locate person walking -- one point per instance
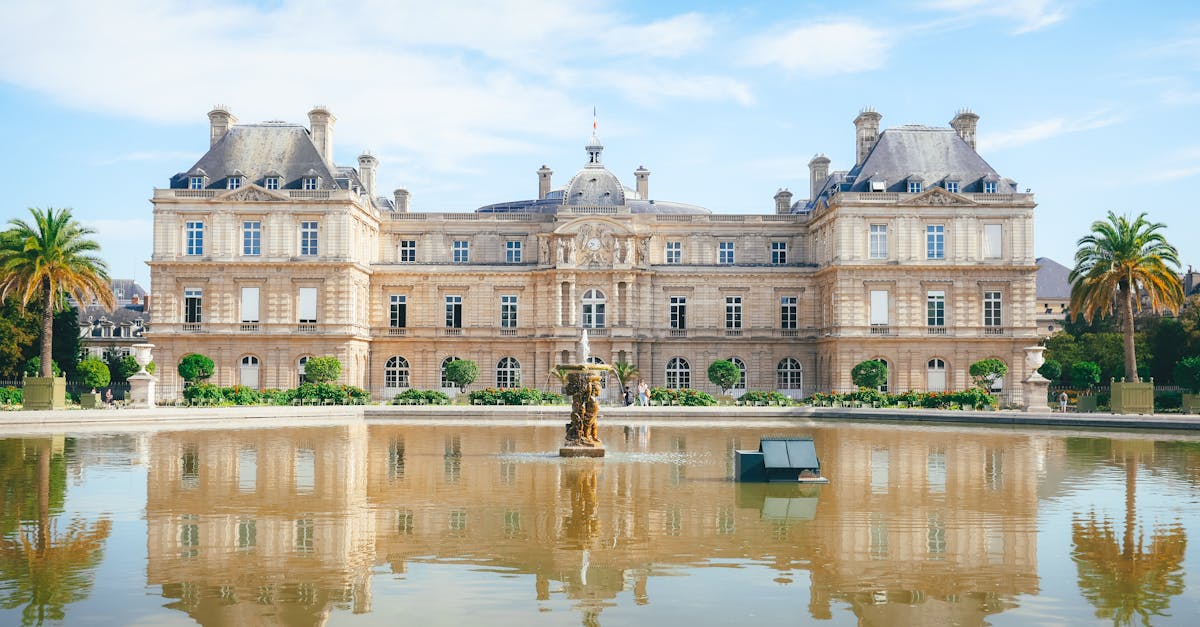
(108, 397)
(628, 396)
(643, 391)
(1062, 402)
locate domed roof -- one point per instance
(594, 186)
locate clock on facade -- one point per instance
(593, 244)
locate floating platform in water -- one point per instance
(791, 459)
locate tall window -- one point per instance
(252, 238)
(398, 311)
(193, 305)
(674, 253)
(935, 241)
(991, 309)
(733, 312)
(306, 306)
(879, 307)
(512, 251)
(249, 304)
(508, 373)
(195, 237)
(196, 182)
(447, 383)
(679, 374)
(991, 241)
(408, 251)
(789, 374)
(395, 372)
(508, 312)
(878, 241)
(779, 253)
(593, 309)
(462, 251)
(454, 312)
(308, 239)
(678, 312)
(787, 312)
(725, 253)
(935, 308)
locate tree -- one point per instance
(870, 374)
(1085, 374)
(624, 372)
(1116, 266)
(724, 374)
(127, 366)
(18, 332)
(1050, 369)
(322, 369)
(195, 367)
(1168, 342)
(1187, 374)
(48, 260)
(985, 372)
(34, 366)
(94, 373)
(462, 372)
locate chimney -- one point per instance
(320, 122)
(818, 171)
(783, 201)
(366, 172)
(866, 127)
(643, 182)
(220, 119)
(544, 175)
(401, 200)
(965, 122)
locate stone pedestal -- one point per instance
(44, 393)
(1036, 389)
(581, 451)
(141, 390)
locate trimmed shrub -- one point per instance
(683, 396)
(93, 372)
(869, 374)
(766, 398)
(423, 397)
(462, 372)
(242, 395)
(195, 367)
(505, 396)
(333, 393)
(986, 371)
(322, 369)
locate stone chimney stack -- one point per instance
(220, 119)
(320, 122)
(544, 175)
(783, 201)
(965, 122)
(643, 182)
(401, 196)
(367, 163)
(818, 171)
(866, 127)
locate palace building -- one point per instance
(919, 254)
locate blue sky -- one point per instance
(1090, 104)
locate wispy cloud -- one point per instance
(1045, 129)
(1029, 15)
(1181, 164)
(836, 47)
(146, 155)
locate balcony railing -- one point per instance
(306, 328)
(397, 331)
(452, 331)
(935, 330)
(193, 327)
(881, 329)
(598, 332)
(733, 332)
(508, 332)
(249, 327)
(788, 332)
(677, 332)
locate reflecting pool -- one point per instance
(474, 524)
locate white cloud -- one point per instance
(1181, 164)
(839, 47)
(1046, 129)
(147, 155)
(651, 89)
(1030, 15)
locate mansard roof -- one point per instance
(932, 154)
(257, 150)
(1052, 279)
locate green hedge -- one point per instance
(308, 393)
(754, 397)
(682, 396)
(11, 396)
(421, 397)
(973, 398)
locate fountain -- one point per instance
(583, 384)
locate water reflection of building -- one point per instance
(258, 527)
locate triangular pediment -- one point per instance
(251, 193)
(938, 196)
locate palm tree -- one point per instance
(48, 260)
(624, 372)
(1116, 265)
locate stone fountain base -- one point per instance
(581, 451)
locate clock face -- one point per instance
(593, 244)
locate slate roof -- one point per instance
(120, 315)
(1052, 280)
(258, 149)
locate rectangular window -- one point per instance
(454, 312)
(879, 307)
(398, 311)
(512, 252)
(249, 304)
(935, 241)
(196, 182)
(991, 309)
(952, 187)
(678, 312)
(674, 253)
(778, 253)
(462, 251)
(914, 187)
(733, 312)
(991, 241)
(233, 182)
(193, 305)
(309, 182)
(787, 312)
(271, 182)
(879, 249)
(508, 312)
(308, 239)
(935, 308)
(725, 253)
(195, 237)
(306, 305)
(252, 238)
(408, 251)
(989, 187)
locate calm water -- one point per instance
(453, 525)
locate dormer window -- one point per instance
(233, 182)
(914, 187)
(272, 182)
(878, 185)
(195, 182)
(309, 183)
(989, 187)
(952, 186)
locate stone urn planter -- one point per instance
(1132, 398)
(45, 393)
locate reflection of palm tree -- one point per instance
(48, 569)
(1128, 578)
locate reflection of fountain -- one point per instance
(583, 384)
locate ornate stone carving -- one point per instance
(250, 194)
(595, 246)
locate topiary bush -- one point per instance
(195, 367)
(869, 374)
(93, 372)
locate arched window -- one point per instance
(300, 364)
(741, 366)
(446, 383)
(679, 373)
(508, 373)
(248, 376)
(935, 375)
(593, 309)
(395, 373)
(789, 374)
(592, 359)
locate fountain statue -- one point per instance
(583, 384)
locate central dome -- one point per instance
(594, 186)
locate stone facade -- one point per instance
(265, 253)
